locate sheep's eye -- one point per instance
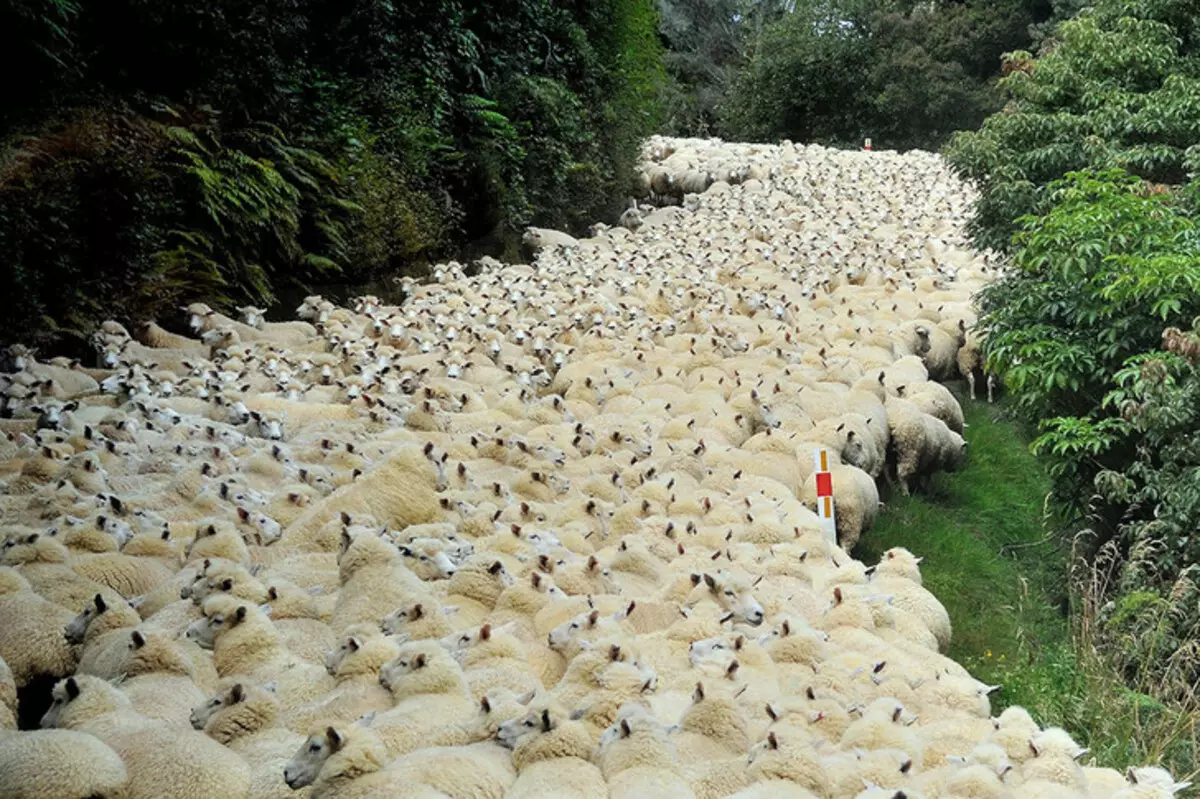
(314, 748)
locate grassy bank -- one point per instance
(1001, 570)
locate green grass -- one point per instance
(987, 553)
(1001, 568)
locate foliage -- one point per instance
(219, 150)
(705, 41)
(1093, 283)
(1159, 396)
(906, 74)
(1117, 87)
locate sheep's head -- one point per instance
(393, 623)
(202, 713)
(735, 595)
(76, 629)
(306, 764)
(1152, 777)
(269, 424)
(428, 559)
(221, 614)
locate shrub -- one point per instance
(1117, 87)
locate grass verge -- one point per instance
(1002, 571)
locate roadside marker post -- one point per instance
(867, 145)
(825, 511)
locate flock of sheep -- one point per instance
(545, 530)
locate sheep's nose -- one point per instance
(756, 618)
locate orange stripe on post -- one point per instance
(828, 507)
(824, 461)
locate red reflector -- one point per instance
(824, 484)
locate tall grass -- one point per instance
(1024, 608)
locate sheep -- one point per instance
(576, 492)
(637, 758)
(550, 749)
(162, 761)
(154, 336)
(346, 763)
(242, 717)
(923, 444)
(538, 239)
(59, 763)
(32, 643)
(244, 642)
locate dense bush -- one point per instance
(154, 153)
(1118, 87)
(1087, 179)
(1076, 329)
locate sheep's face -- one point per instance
(735, 596)
(393, 673)
(854, 452)
(513, 730)
(428, 560)
(65, 692)
(305, 765)
(201, 632)
(335, 657)
(203, 713)
(110, 357)
(76, 629)
(269, 425)
(394, 622)
(708, 648)
(1152, 777)
(205, 632)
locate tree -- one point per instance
(1118, 87)
(907, 74)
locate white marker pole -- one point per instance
(825, 495)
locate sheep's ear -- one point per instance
(273, 593)
(772, 741)
(695, 579)
(353, 644)
(1033, 747)
(485, 632)
(345, 518)
(239, 615)
(334, 738)
(625, 729)
(485, 705)
(698, 694)
(731, 672)
(774, 714)
(547, 723)
(614, 652)
(711, 581)
(101, 605)
(419, 661)
(236, 694)
(496, 567)
(72, 688)
(137, 639)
